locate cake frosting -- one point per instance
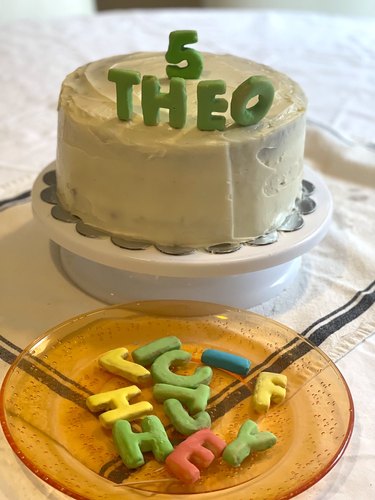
(178, 187)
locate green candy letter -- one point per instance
(195, 400)
(208, 103)
(124, 79)
(131, 445)
(146, 354)
(182, 421)
(253, 86)
(249, 439)
(160, 370)
(177, 53)
(153, 100)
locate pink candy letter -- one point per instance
(198, 450)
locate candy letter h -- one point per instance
(153, 99)
(131, 444)
(118, 406)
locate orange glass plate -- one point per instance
(45, 419)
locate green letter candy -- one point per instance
(207, 104)
(153, 100)
(160, 370)
(131, 445)
(248, 439)
(195, 400)
(146, 354)
(253, 86)
(177, 53)
(182, 421)
(124, 79)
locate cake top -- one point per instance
(88, 96)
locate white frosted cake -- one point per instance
(178, 187)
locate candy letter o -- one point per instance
(253, 86)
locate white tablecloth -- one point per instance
(332, 300)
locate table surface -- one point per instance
(331, 301)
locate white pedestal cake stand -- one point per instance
(244, 278)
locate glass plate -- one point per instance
(45, 419)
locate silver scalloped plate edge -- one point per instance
(293, 222)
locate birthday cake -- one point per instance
(172, 179)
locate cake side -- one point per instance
(178, 186)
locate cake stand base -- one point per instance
(114, 286)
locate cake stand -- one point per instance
(243, 278)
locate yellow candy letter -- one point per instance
(270, 387)
(118, 406)
(115, 362)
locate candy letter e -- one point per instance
(131, 445)
(200, 448)
(208, 104)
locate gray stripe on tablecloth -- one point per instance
(351, 310)
(7, 356)
(31, 367)
(10, 202)
(10, 344)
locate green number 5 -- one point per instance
(177, 52)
